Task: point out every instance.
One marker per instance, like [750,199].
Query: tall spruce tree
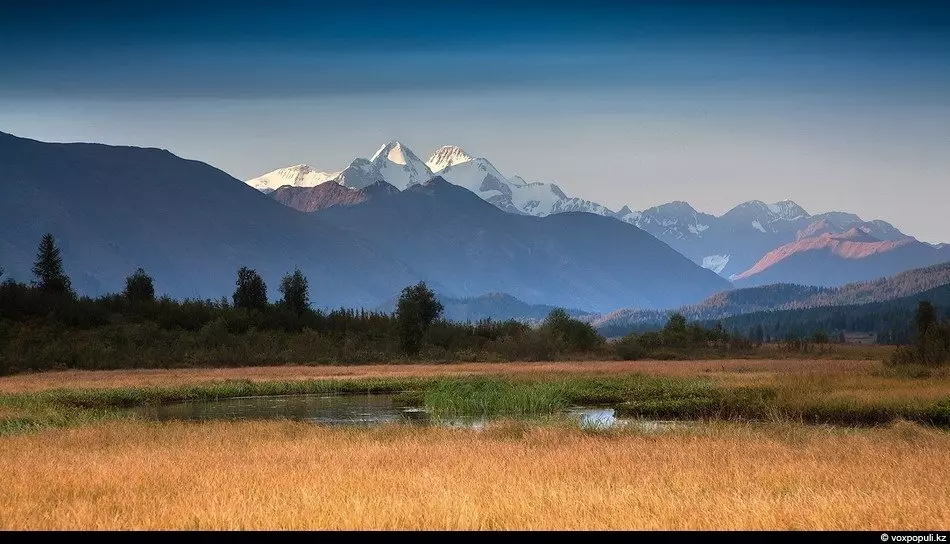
[295,291]
[926,318]
[251,291]
[48,269]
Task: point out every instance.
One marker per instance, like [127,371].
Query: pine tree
[295,291]
[926,317]
[251,291]
[139,287]
[417,309]
[48,269]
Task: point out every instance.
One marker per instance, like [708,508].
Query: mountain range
[467,247]
[754,243]
[784,296]
[113,209]
[191,226]
[360,240]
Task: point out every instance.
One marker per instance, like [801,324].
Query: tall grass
[494,396]
[281,475]
[845,394]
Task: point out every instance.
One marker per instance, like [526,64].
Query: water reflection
[361,410]
[369,409]
[606,418]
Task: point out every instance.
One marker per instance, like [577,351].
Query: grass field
[73,459]
[737,369]
[813,391]
[282,475]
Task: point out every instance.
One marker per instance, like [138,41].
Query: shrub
[572,334]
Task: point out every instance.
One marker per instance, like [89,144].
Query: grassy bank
[283,475]
[844,393]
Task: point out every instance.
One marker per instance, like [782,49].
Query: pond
[358,410]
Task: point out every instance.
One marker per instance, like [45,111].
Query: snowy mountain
[393,163]
[512,194]
[300,175]
[397,165]
[729,244]
[446,156]
[732,243]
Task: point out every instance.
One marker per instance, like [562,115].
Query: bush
[571,334]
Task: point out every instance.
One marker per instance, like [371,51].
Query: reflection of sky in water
[368,409]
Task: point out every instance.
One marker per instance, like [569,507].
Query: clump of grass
[495,396]
[138,396]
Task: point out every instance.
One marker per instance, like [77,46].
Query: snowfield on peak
[445,156]
[397,165]
[728,244]
[512,194]
[300,175]
[715,262]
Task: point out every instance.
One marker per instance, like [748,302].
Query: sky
[838,106]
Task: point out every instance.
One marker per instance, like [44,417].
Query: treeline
[679,340]
[45,325]
[891,321]
[884,307]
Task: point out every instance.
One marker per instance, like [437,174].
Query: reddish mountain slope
[835,259]
[311,199]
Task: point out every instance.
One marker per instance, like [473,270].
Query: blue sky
[835,105]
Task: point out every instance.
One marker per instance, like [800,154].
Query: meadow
[283,475]
[790,444]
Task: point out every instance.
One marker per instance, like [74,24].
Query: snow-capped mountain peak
[787,210]
[394,151]
[676,220]
[398,165]
[445,156]
[299,175]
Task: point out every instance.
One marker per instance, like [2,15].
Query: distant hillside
[326,195]
[783,297]
[465,247]
[113,209]
[892,320]
[836,259]
[496,306]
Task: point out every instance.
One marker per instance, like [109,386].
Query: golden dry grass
[280,475]
[735,369]
[804,380]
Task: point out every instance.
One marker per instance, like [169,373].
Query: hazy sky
[834,105]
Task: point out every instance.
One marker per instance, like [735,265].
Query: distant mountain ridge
[779,297]
[732,245]
[832,259]
[326,195]
[397,165]
[191,226]
[734,242]
[468,247]
[299,175]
